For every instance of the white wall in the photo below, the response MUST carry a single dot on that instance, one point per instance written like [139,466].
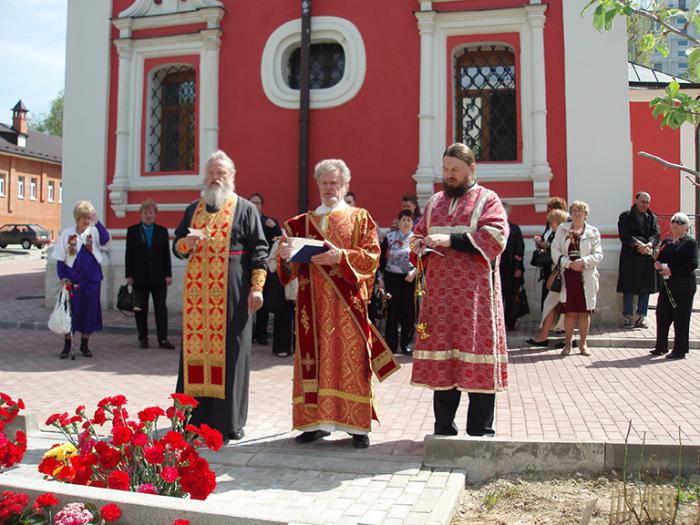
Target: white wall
[86,105]
[599,148]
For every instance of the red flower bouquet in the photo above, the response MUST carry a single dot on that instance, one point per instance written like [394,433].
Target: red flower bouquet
[11,452]
[136,456]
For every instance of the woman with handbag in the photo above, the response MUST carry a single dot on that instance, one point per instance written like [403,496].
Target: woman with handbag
[550,307]
[542,255]
[78,255]
[577,248]
[676,264]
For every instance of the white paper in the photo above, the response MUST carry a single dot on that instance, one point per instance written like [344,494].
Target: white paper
[196,233]
[299,242]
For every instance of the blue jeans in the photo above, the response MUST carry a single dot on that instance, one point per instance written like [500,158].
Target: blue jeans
[628,306]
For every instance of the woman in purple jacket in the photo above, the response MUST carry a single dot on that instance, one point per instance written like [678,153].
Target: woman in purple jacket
[79,253]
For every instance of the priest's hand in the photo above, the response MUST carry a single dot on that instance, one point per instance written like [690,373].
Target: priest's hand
[437,240]
[327,258]
[285,247]
[255,301]
[192,240]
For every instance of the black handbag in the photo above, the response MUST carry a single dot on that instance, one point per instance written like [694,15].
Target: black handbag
[520,302]
[554,279]
[126,299]
[541,258]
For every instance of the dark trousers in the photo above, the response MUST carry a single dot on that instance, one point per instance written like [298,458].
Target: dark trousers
[479,414]
[401,311]
[159,294]
[508,296]
[262,318]
[283,334]
[679,316]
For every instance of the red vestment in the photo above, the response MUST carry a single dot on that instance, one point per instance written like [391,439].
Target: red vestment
[337,348]
[462,308]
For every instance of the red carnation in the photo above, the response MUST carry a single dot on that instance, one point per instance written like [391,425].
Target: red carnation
[45,500]
[154,455]
[181,522]
[173,438]
[147,488]
[100,417]
[121,434]
[184,399]
[212,437]
[150,414]
[169,474]
[118,480]
[110,512]
[173,413]
[79,411]
[48,465]
[109,457]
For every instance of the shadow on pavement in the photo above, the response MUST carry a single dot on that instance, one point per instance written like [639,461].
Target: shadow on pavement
[634,362]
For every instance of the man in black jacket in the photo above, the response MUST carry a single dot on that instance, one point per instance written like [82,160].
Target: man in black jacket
[639,233]
[511,269]
[148,270]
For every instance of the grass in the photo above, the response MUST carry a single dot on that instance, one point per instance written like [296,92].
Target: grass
[492,498]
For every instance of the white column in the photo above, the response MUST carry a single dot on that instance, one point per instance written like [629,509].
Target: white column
[118,190]
[209,107]
[541,171]
[425,174]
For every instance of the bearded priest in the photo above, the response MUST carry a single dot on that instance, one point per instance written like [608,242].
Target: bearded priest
[337,348]
[461,341]
[223,241]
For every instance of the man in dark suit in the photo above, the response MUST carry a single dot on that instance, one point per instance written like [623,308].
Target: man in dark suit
[272,230]
[148,270]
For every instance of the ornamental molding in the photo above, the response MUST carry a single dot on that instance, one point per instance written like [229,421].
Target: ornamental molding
[209,15]
[166,7]
[281,43]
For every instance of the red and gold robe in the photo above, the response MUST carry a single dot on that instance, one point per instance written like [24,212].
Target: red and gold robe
[337,348]
[462,309]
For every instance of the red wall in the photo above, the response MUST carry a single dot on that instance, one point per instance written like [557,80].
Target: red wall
[376,133]
[663,185]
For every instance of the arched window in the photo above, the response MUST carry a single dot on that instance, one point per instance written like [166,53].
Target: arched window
[171,119]
[486,102]
[326,66]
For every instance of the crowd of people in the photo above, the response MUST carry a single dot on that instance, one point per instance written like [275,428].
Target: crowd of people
[444,284]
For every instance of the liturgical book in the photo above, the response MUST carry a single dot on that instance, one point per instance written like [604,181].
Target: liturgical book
[303,249]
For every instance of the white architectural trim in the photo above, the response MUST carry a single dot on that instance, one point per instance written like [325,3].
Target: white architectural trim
[85,139]
[688,158]
[210,16]
[273,66]
[435,28]
[128,172]
[143,8]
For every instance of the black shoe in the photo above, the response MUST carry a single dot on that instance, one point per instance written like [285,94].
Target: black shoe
[533,342]
[262,341]
[166,344]
[64,353]
[574,344]
[236,434]
[86,352]
[282,354]
[407,351]
[308,437]
[674,355]
[360,440]
[658,352]
[143,343]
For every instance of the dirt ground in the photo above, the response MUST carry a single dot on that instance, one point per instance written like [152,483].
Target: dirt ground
[559,502]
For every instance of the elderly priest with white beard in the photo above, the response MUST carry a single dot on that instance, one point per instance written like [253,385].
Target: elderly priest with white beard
[223,241]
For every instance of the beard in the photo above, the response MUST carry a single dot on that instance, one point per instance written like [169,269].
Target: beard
[457,191]
[215,196]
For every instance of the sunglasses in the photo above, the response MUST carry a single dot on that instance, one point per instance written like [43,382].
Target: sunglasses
[678,221]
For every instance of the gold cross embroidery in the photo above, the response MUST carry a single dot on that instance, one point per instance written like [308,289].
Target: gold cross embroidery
[305,320]
[308,362]
[303,281]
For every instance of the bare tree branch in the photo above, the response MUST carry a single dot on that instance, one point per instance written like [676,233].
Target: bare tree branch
[669,28]
[667,164]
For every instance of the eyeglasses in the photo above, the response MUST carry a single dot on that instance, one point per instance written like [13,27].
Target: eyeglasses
[678,221]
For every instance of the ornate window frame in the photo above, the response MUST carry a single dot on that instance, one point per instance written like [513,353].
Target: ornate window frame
[134,55]
[279,46]
[436,92]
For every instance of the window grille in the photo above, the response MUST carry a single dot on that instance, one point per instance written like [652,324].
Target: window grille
[326,66]
[486,102]
[171,124]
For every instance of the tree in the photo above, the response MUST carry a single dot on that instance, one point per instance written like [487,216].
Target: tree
[637,28]
[675,108]
[53,122]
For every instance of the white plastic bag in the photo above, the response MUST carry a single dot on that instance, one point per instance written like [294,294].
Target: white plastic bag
[60,321]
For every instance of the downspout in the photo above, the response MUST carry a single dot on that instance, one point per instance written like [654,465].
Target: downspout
[304,103]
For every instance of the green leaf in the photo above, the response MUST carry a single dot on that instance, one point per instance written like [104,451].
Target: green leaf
[648,42]
[673,88]
[610,18]
[661,48]
[599,18]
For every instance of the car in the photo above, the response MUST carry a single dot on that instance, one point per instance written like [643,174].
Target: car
[27,235]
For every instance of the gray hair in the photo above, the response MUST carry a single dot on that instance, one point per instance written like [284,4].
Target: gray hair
[220,156]
[640,194]
[331,165]
[680,216]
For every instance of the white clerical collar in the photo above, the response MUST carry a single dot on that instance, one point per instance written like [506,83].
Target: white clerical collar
[340,205]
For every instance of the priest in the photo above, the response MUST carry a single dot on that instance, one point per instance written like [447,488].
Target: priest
[223,241]
[461,341]
[337,348]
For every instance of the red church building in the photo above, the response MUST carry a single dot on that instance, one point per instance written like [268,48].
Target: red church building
[153,87]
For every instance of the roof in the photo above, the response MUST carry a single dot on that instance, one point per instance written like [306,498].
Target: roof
[640,76]
[20,106]
[39,145]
